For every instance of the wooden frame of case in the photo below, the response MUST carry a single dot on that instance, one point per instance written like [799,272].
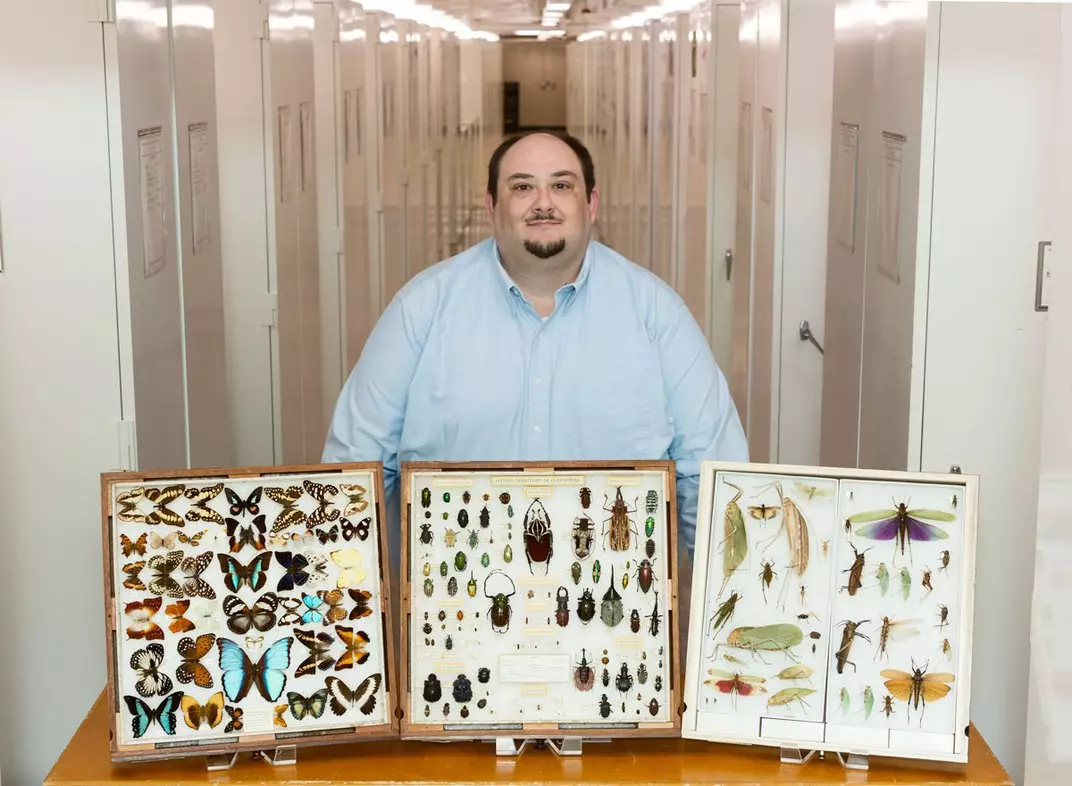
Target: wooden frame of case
[702,581]
[260,742]
[424,731]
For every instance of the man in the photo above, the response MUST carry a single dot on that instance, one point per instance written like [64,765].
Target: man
[538,344]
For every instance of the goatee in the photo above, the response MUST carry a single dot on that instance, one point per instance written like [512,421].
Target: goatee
[545,250]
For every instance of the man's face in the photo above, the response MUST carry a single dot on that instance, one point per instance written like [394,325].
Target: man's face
[542,207]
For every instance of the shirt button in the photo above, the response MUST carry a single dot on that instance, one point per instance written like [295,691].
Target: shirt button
[538,381]
[536,429]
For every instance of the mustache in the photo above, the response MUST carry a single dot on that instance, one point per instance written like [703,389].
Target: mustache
[535,217]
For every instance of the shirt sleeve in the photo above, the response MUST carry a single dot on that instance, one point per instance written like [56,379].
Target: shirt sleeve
[369,415]
[705,421]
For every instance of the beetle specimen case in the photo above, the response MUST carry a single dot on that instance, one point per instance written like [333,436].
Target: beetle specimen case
[538,600]
[835,610]
[245,609]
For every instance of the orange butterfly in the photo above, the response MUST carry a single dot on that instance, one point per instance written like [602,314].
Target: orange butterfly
[191,669]
[179,622]
[130,546]
[133,580]
[355,647]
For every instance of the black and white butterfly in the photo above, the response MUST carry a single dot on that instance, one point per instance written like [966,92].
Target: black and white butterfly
[151,680]
[363,696]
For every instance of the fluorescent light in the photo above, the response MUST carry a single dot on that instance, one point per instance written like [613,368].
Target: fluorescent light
[562,7]
[528,32]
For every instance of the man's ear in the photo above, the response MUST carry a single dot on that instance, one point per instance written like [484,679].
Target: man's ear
[489,205]
[593,204]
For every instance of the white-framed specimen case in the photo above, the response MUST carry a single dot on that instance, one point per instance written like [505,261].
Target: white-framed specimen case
[246,609]
[832,610]
[538,600]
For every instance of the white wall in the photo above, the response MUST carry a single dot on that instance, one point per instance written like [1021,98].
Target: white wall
[59,412]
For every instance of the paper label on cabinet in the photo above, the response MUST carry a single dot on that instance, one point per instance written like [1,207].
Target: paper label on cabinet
[153,199]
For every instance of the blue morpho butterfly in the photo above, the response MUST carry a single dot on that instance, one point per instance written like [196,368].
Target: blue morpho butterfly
[144,715]
[268,674]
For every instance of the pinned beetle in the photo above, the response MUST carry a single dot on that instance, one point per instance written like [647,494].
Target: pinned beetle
[634,621]
[645,575]
[624,681]
[500,611]
[610,610]
[583,529]
[584,676]
[485,518]
[562,610]
[586,607]
[433,690]
[426,533]
[620,523]
[539,540]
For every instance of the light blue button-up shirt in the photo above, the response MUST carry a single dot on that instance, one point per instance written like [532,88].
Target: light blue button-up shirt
[460,367]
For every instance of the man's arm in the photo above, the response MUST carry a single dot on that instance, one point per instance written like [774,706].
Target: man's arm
[368,419]
[706,424]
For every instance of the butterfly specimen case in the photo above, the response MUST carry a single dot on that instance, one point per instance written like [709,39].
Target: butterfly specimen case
[538,600]
[832,610]
[245,609]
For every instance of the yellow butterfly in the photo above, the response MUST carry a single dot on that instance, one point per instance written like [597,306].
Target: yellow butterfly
[130,546]
[133,580]
[351,570]
[357,502]
[208,714]
[290,515]
[279,720]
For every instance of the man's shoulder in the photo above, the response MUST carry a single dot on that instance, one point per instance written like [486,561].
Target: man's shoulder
[434,280]
[613,266]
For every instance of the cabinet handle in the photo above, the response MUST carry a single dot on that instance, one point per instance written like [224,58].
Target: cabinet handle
[806,335]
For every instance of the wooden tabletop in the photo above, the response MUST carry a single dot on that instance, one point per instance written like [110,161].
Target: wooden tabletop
[651,761]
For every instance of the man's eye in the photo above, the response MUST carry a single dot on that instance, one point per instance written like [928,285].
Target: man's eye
[563,186]
[521,187]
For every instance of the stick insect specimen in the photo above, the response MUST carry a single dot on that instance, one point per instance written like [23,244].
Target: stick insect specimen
[917,688]
[901,525]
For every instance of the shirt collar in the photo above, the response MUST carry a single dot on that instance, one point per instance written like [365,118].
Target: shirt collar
[576,285]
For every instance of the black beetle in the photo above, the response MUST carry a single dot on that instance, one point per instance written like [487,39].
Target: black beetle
[651,502]
[653,626]
[463,689]
[604,706]
[624,681]
[586,607]
[562,612]
[485,518]
[433,691]
[584,677]
[606,677]
[634,621]
[426,533]
[642,673]
[658,682]
[484,674]
[466,496]
[649,548]
[645,575]
[452,586]
[463,518]
[499,613]
[586,497]
[449,643]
